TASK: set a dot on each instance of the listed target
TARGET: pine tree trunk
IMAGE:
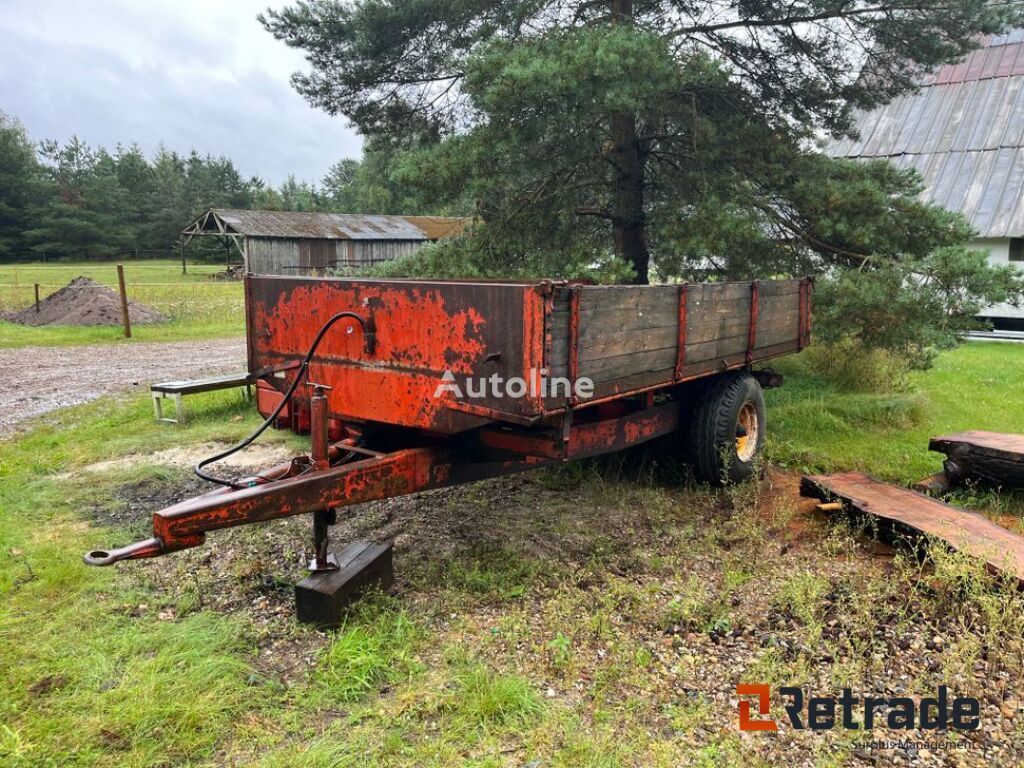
(628, 219)
(629, 225)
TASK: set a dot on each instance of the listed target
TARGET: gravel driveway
(42, 379)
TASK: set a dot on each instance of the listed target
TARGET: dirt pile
(84, 302)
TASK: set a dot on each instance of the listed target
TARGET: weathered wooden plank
(620, 319)
(713, 348)
(907, 513)
(778, 288)
(660, 308)
(776, 303)
(701, 330)
(643, 297)
(321, 598)
(716, 348)
(1004, 444)
(625, 365)
(716, 292)
(779, 316)
(726, 297)
(777, 334)
(630, 318)
(597, 343)
(557, 369)
(632, 382)
(648, 379)
(195, 386)
(694, 369)
(632, 331)
(712, 310)
(594, 346)
(995, 458)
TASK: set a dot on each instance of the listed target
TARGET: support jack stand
(335, 580)
(322, 597)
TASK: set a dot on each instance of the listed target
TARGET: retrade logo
(763, 693)
(822, 713)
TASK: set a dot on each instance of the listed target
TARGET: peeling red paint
(421, 330)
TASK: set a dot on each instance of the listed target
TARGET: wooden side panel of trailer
(630, 337)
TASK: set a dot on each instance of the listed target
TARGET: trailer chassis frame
(345, 473)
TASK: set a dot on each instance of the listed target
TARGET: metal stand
(335, 580)
(323, 558)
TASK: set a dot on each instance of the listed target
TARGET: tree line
(72, 200)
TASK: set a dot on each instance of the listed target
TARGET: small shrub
(854, 368)
(560, 650)
(894, 411)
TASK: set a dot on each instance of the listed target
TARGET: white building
(964, 133)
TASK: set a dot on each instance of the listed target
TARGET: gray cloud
(188, 74)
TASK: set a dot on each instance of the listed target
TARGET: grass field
(196, 306)
(814, 427)
(575, 618)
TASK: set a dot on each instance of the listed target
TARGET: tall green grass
(91, 674)
(815, 425)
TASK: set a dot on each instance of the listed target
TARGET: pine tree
(22, 187)
(625, 125)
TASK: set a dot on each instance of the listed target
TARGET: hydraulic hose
(368, 341)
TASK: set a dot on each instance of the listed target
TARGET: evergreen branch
(785, 21)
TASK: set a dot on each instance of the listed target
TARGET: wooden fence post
(37, 297)
(124, 302)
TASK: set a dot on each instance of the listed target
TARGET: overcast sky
(188, 73)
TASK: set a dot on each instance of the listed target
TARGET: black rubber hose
(303, 368)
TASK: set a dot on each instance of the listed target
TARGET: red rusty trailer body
(626, 339)
(366, 367)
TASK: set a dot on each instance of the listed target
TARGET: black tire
(718, 456)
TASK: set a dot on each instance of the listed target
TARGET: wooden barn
(963, 131)
(298, 243)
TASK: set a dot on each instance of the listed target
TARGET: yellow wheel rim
(747, 432)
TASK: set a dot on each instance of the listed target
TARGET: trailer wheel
(727, 429)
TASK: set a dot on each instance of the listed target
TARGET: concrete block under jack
(321, 598)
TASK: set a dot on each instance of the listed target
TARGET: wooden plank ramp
(908, 513)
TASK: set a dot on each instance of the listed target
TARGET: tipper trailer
(409, 385)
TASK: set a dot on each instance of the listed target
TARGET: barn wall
(366, 252)
(286, 256)
(272, 257)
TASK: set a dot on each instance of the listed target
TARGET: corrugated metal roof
(963, 132)
(332, 226)
(437, 227)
